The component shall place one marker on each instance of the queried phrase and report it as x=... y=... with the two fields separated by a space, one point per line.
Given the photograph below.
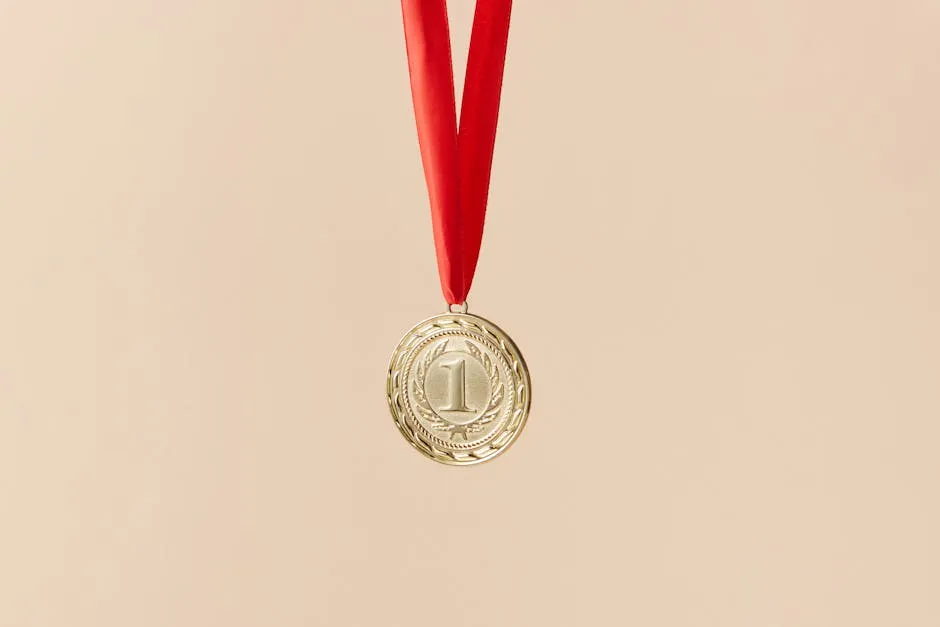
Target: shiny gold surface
x=458 y=389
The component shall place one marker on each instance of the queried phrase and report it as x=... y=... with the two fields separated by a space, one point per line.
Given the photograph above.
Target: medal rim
x=524 y=382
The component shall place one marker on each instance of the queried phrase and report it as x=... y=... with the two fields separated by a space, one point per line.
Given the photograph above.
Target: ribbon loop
x=457 y=166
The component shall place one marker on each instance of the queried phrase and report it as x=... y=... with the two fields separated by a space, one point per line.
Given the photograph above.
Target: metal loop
x=461 y=307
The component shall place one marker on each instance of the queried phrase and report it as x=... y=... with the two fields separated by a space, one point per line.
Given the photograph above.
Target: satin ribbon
x=456 y=164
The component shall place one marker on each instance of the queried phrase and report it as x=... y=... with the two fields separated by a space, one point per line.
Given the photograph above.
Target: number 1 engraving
x=457 y=385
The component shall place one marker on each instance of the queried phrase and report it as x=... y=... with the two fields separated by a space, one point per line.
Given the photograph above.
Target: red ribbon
x=456 y=165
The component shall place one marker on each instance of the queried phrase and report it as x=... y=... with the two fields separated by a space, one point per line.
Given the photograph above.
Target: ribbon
x=456 y=164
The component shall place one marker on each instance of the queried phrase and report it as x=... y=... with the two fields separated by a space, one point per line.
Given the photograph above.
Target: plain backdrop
x=714 y=231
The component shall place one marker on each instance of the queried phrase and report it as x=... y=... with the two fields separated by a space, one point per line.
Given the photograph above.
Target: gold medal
x=458 y=388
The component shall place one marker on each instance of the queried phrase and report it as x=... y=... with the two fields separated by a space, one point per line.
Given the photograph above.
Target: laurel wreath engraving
x=421 y=398
x=489 y=414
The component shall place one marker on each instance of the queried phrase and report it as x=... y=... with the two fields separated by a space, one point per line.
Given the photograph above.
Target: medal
x=458 y=388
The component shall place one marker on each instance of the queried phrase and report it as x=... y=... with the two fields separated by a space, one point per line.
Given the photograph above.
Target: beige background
x=714 y=232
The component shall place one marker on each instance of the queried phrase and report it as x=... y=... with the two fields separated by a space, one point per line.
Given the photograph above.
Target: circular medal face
x=458 y=389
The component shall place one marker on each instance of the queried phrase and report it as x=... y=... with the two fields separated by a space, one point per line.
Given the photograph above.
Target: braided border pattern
x=401 y=413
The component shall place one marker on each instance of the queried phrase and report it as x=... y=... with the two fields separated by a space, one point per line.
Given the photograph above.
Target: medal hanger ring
x=460 y=308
